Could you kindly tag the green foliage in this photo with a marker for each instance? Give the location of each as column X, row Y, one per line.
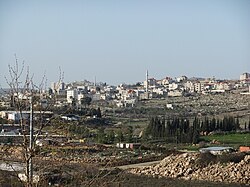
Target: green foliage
column 86, row 101
column 176, row 130
column 79, row 130
column 230, row 138
column 3, row 121
column 119, row 136
column 101, row 136
column 110, row 136
column 179, row 130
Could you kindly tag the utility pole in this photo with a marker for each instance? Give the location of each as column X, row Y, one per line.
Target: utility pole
column 30, row 173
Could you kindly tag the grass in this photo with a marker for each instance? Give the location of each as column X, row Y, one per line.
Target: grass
column 233, row 139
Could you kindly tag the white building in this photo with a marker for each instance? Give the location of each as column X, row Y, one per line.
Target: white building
column 72, row 94
column 159, row 91
column 96, row 97
column 182, row 78
column 189, row 86
column 198, row 87
column 170, row 106
column 173, row 86
column 245, row 78
column 223, row 86
column 174, row 93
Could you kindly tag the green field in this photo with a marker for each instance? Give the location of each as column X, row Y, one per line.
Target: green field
column 233, row 139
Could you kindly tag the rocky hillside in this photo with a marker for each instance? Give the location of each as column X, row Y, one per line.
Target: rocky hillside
column 185, row 166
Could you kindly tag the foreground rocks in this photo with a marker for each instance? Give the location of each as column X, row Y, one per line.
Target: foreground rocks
column 185, row 166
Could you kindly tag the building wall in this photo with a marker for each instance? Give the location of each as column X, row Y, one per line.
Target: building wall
column 71, row 94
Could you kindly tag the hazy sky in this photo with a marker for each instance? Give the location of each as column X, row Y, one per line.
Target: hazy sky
column 117, row 41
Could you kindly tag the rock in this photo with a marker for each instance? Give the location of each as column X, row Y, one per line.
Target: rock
column 183, row 166
column 247, row 159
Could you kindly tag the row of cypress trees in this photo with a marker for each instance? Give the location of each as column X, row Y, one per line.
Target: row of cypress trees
column 180, row 130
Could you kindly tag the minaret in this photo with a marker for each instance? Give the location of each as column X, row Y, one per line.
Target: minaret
column 147, row 81
column 146, row 93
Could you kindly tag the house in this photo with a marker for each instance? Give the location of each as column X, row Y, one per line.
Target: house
column 245, row 78
column 246, row 93
column 15, row 115
column 198, row 87
column 189, row 86
column 96, row 97
column 175, row 93
column 182, row 78
column 70, row 117
column 173, row 86
column 170, row 106
column 71, row 95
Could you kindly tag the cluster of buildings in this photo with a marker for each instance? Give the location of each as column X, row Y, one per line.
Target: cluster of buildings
column 81, row 93
column 128, row 95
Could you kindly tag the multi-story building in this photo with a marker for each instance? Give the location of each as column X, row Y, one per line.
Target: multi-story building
column 189, row 86
column 198, row 87
column 71, row 95
column 245, row 78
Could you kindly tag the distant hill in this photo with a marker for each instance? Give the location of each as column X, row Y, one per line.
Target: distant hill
column 196, row 78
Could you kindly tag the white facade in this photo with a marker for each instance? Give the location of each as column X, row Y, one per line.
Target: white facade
column 79, row 97
column 223, row 86
column 189, row 86
column 173, row 86
column 170, row 106
column 96, row 97
column 175, row 93
column 199, row 87
column 182, row 78
column 244, row 76
column 71, row 94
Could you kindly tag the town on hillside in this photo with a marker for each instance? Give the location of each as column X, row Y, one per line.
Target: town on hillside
column 114, row 132
column 128, row 95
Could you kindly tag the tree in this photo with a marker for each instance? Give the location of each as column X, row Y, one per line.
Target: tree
column 110, row 136
column 86, row 101
column 98, row 113
column 120, row 136
column 101, row 136
column 129, row 136
column 24, row 93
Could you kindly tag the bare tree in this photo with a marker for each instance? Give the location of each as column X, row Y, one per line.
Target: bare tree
column 24, row 93
column 27, row 96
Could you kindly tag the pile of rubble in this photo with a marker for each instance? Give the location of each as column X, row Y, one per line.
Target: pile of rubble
column 185, row 166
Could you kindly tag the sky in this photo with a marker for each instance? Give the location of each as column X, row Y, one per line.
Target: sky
column 117, row 41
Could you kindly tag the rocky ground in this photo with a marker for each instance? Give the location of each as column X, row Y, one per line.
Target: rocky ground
column 185, row 166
